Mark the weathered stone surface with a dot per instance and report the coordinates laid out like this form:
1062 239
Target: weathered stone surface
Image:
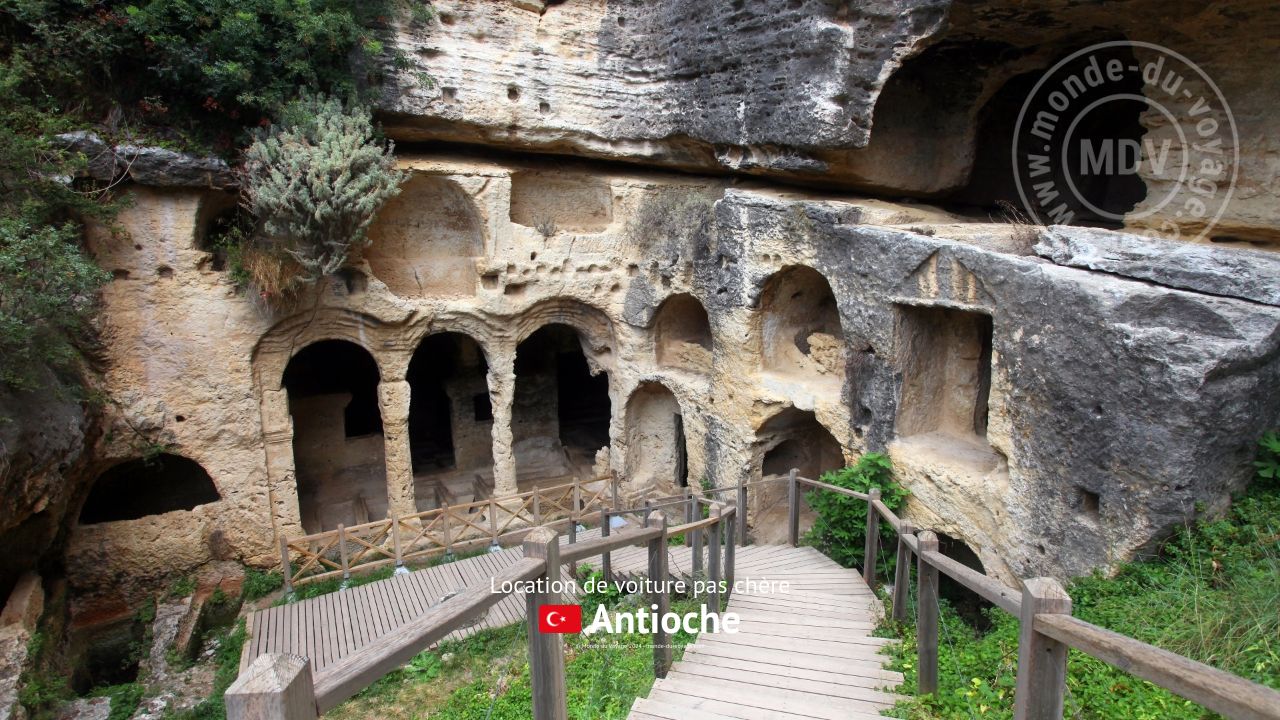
100 157
168 168
98 708
1245 274
892 96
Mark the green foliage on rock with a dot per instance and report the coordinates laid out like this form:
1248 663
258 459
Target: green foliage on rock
841 528
47 290
179 69
314 183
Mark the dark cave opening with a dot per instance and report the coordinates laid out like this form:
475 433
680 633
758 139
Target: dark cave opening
148 486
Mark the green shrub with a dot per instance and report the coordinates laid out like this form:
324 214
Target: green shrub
841 528
203 68
47 292
124 699
1268 462
314 183
259 584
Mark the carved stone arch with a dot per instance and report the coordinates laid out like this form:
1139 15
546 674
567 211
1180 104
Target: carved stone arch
592 323
288 337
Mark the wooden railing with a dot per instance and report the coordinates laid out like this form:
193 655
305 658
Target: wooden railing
1043 608
398 540
282 687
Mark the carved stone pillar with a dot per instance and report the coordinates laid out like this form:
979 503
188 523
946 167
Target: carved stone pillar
282 482
393 399
502 395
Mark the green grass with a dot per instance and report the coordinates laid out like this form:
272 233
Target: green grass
487 675
1212 595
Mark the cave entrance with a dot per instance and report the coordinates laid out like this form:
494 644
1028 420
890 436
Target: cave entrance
657 463
1116 125
971 607
338 449
682 334
450 421
791 439
148 486
561 411
800 326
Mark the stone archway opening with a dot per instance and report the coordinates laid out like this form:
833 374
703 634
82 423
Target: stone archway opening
338 448
561 410
450 421
682 334
800 330
139 488
657 457
791 439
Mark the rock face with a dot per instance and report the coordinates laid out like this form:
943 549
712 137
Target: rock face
1244 274
910 97
1054 418
1057 400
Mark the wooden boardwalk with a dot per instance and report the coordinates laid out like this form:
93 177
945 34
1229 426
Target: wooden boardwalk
333 626
806 652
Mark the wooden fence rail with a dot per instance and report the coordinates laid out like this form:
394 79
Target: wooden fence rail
445 530
284 687
1047 627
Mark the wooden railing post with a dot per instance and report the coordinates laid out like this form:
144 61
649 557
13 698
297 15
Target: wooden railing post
730 552
693 539
537 508
448 535
395 540
658 581
742 510
493 522
902 574
871 549
546 650
793 510
606 560
713 557
1042 661
285 568
273 687
342 552
573 511
927 615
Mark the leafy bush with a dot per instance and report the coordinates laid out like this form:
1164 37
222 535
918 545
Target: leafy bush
841 528
1268 462
259 584
202 67
47 291
314 183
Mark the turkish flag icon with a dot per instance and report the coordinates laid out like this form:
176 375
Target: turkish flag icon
560 618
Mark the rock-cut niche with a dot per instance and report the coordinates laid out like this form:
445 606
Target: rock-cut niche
946 372
800 326
682 334
561 411
425 241
657 458
792 439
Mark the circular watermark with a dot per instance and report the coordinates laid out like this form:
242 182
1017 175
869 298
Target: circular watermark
1106 137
